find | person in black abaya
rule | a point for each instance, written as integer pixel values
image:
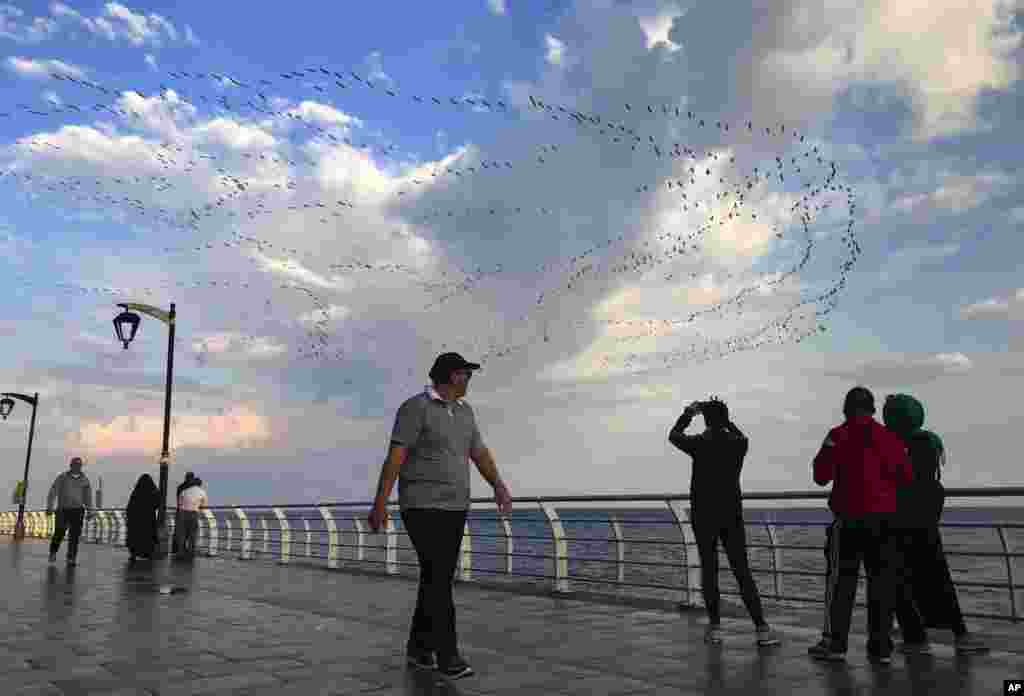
(142, 510)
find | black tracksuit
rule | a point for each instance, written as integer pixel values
(716, 510)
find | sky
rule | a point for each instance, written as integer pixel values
(332, 194)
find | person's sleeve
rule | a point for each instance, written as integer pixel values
(826, 459)
(408, 423)
(53, 492)
(477, 442)
(678, 437)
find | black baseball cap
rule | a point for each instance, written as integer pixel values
(447, 363)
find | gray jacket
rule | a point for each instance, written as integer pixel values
(70, 492)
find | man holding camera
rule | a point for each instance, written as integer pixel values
(716, 510)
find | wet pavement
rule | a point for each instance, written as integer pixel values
(225, 626)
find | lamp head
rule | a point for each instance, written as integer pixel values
(6, 406)
(125, 325)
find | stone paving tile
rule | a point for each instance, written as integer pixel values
(216, 685)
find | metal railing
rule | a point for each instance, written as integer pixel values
(336, 536)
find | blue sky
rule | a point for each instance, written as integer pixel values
(918, 107)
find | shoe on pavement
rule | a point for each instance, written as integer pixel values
(456, 669)
(766, 637)
(72, 562)
(969, 645)
(53, 558)
(423, 659)
(713, 634)
(826, 651)
(879, 658)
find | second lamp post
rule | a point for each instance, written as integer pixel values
(126, 324)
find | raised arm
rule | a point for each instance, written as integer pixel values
(677, 435)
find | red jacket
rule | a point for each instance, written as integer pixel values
(866, 463)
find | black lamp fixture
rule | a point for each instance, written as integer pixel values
(125, 325)
(6, 406)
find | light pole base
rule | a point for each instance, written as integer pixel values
(163, 542)
(19, 531)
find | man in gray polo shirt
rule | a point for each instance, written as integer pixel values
(434, 437)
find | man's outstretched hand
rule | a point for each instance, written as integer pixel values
(502, 497)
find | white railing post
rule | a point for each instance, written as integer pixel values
(332, 538)
(211, 549)
(309, 538)
(391, 546)
(246, 534)
(51, 524)
(1010, 584)
(561, 583)
(776, 560)
(466, 557)
(228, 532)
(620, 547)
(266, 535)
(691, 572)
(506, 526)
(122, 529)
(360, 538)
(104, 535)
(286, 536)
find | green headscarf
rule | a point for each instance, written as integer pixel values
(903, 414)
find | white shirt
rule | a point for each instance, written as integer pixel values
(192, 499)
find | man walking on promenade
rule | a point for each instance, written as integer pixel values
(434, 437)
(73, 495)
(866, 463)
(716, 508)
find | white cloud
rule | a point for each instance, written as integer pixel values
(496, 7)
(1005, 308)
(116, 23)
(944, 60)
(324, 114)
(232, 134)
(151, 61)
(555, 49)
(898, 371)
(28, 67)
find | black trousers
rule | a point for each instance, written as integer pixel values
(874, 542)
(709, 529)
(437, 537)
(68, 519)
(933, 594)
(186, 531)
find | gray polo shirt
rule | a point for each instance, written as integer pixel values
(439, 436)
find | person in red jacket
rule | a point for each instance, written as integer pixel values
(865, 463)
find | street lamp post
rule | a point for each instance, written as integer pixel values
(6, 405)
(126, 324)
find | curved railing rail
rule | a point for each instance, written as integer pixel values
(567, 543)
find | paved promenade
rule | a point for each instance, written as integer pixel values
(255, 628)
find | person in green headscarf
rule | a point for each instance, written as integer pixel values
(919, 509)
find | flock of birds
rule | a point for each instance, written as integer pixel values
(264, 189)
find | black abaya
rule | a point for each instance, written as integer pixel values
(141, 513)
